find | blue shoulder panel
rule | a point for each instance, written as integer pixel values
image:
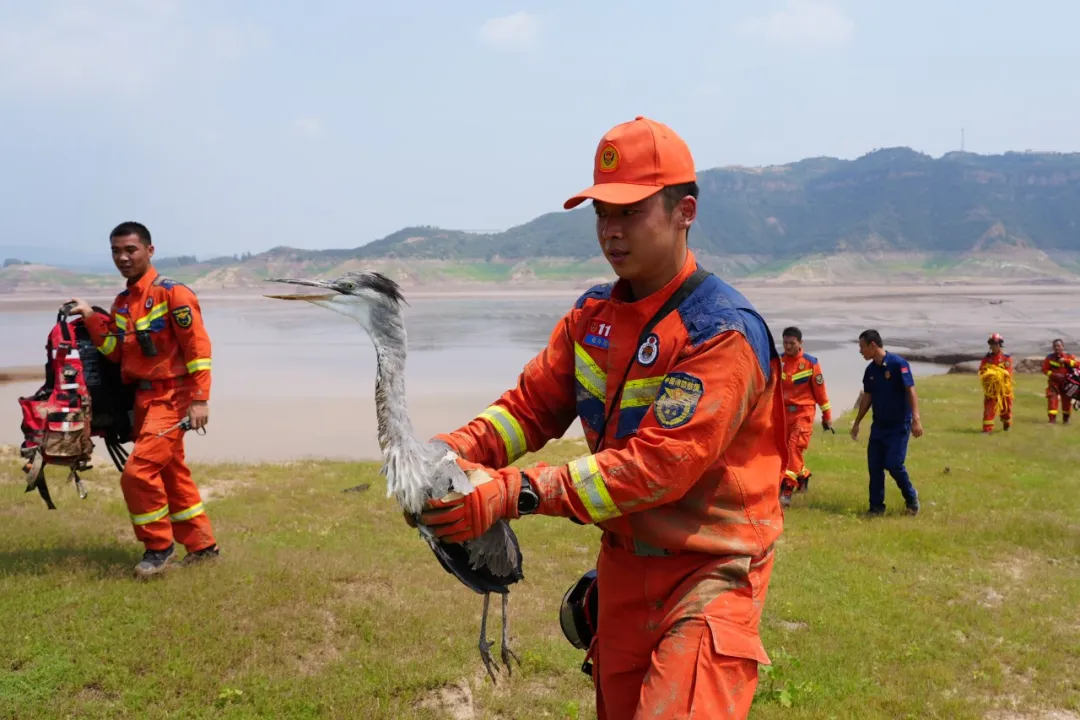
(596, 292)
(809, 358)
(167, 283)
(715, 307)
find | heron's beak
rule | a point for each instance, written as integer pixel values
(310, 297)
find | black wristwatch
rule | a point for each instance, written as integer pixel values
(528, 500)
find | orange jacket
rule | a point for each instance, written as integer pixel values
(1054, 364)
(170, 312)
(691, 454)
(804, 385)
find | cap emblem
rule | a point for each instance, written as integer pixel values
(609, 158)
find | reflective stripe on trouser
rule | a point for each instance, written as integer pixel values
(800, 430)
(990, 410)
(1054, 399)
(162, 499)
(678, 636)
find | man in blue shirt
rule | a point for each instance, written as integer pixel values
(888, 387)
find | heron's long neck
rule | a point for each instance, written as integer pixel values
(391, 407)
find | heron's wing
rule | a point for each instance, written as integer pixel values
(455, 560)
(498, 551)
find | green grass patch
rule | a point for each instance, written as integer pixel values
(477, 271)
(324, 604)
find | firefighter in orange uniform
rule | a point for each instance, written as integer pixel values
(996, 372)
(156, 333)
(1055, 366)
(686, 435)
(804, 391)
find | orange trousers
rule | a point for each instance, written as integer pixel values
(800, 430)
(677, 636)
(161, 497)
(1054, 398)
(990, 409)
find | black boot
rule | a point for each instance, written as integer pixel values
(199, 556)
(155, 561)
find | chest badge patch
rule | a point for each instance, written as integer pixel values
(149, 302)
(649, 350)
(182, 315)
(677, 399)
(888, 374)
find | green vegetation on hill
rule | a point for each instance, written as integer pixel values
(326, 605)
(890, 214)
(893, 199)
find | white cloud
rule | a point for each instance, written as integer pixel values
(803, 24)
(311, 127)
(111, 46)
(519, 31)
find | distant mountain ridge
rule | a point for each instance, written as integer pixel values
(893, 211)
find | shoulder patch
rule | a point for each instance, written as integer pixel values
(810, 359)
(182, 315)
(677, 399)
(596, 292)
(124, 293)
(715, 307)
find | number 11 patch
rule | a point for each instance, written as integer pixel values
(598, 334)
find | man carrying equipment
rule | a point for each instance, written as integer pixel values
(1056, 366)
(889, 388)
(684, 420)
(804, 391)
(996, 373)
(156, 333)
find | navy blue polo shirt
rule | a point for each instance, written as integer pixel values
(887, 384)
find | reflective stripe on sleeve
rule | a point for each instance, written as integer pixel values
(108, 346)
(198, 364)
(826, 407)
(590, 487)
(509, 430)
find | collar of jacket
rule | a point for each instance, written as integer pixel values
(647, 306)
(142, 285)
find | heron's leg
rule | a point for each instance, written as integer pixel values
(485, 646)
(507, 653)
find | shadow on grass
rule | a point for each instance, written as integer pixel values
(102, 560)
(831, 507)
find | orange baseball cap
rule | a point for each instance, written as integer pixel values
(635, 160)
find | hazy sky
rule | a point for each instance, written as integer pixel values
(240, 125)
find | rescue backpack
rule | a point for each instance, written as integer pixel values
(83, 397)
(1070, 386)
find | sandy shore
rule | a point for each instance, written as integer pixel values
(301, 383)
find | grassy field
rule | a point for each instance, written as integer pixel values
(325, 604)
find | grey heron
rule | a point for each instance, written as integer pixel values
(416, 471)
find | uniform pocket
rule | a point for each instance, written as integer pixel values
(732, 640)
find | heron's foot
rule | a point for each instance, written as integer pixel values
(506, 654)
(489, 662)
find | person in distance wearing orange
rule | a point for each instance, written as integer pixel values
(1055, 366)
(996, 372)
(804, 391)
(156, 333)
(686, 433)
